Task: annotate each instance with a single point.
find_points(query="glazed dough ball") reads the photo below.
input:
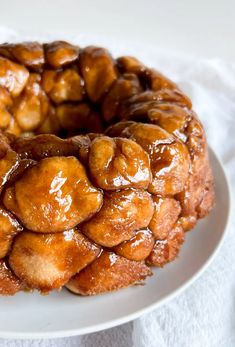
(139, 106)
(138, 247)
(107, 273)
(150, 77)
(118, 163)
(60, 53)
(53, 195)
(78, 118)
(9, 161)
(122, 213)
(9, 227)
(123, 88)
(130, 65)
(96, 207)
(98, 70)
(32, 106)
(13, 76)
(62, 86)
(169, 157)
(166, 213)
(172, 118)
(165, 251)
(5, 104)
(9, 283)
(29, 54)
(47, 261)
(45, 145)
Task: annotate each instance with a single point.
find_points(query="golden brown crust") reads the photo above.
(123, 88)
(138, 247)
(13, 76)
(9, 228)
(118, 163)
(166, 213)
(60, 53)
(165, 251)
(53, 195)
(128, 64)
(47, 261)
(32, 106)
(140, 106)
(29, 54)
(9, 161)
(169, 158)
(107, 273)
(129, 168)
(9, 283)
(98, 71)
(172, 118)
(122, 213)
(63, 86)
(41, 146)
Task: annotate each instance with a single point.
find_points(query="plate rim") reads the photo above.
(168, 297)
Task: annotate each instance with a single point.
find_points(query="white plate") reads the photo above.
(64, 314)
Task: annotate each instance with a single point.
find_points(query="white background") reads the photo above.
(204, 28)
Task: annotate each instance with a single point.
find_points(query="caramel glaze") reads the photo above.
(107, 273)
(103, 167)
(9, 283)
(48, 261)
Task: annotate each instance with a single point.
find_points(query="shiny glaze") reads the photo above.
(122, 213)
(19, 170)
(9, 283)
(164, 95)
(141, 105)
(197, 198)
(13, 76)
(95, 63)
(9, 228)
(44, 146)
(151, 78)
(166, 213)
(138, 247)
(128, 64)
(60, 53)
(195, 138)
(47, 182)
(107, 273)
(123, 88)
(50, 124)
(118, 163)
(116, 129)
(165, 251)
(169, 158)
(9, 161)
(47, 261)
(32, 106)
(5, 104)
(172, 118)
(157, 81)
(29, 54)
(78, 119)
(66, 85)
(53, 195)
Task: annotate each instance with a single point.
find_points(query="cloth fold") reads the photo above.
(204, 315)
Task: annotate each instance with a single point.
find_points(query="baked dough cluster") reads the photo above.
(103, 168)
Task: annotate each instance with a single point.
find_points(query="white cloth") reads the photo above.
(204, 315)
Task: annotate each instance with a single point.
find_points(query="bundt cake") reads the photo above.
(103, 168)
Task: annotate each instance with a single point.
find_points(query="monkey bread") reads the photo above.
(103, 168)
